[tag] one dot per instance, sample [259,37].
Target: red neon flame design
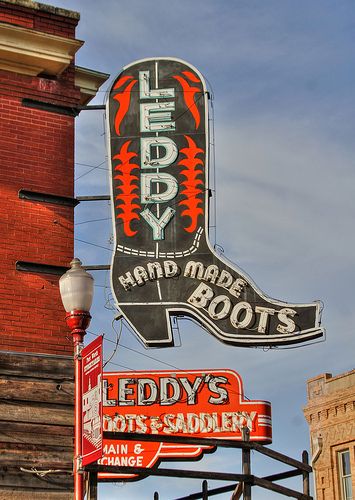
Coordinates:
[189,94]
[191,190]
[126,188]
[122,81]
[124,99]
[191,76]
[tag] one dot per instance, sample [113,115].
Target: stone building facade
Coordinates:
[330,413]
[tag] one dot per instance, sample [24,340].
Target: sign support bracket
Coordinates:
[92,486]
[247,479]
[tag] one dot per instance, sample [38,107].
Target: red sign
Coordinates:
[92,402]
[196,403]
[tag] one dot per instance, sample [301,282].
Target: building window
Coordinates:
[345,475]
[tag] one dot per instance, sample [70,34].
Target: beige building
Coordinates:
[330,413]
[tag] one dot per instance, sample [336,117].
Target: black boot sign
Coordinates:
[164,264]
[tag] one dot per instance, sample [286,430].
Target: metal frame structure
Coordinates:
[241,483]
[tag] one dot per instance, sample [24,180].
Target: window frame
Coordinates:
[343,477]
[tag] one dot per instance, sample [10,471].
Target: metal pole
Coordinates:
[92,488]
[305,473]
[78,474]
[77,283]
[238,491]
[246,469]
[204,490]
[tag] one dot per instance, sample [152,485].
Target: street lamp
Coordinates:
[77,290]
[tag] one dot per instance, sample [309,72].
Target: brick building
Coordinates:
[40,92]
[330,413]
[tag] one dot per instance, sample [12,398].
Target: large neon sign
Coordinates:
[164,264]
[193,403]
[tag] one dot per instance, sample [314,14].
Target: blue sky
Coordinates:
[283,78]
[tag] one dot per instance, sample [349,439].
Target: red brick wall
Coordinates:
[40,20]
[16,19]
[55,25]
[36,153]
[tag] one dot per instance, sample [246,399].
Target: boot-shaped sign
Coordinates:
[164,264]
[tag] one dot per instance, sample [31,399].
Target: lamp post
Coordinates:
[77,290]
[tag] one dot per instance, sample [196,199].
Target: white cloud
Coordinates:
[292,191]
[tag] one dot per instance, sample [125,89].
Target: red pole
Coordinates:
[78,321]
[78,476]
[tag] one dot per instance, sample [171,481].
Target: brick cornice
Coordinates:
[330,409]
[89,82]
[32,52]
